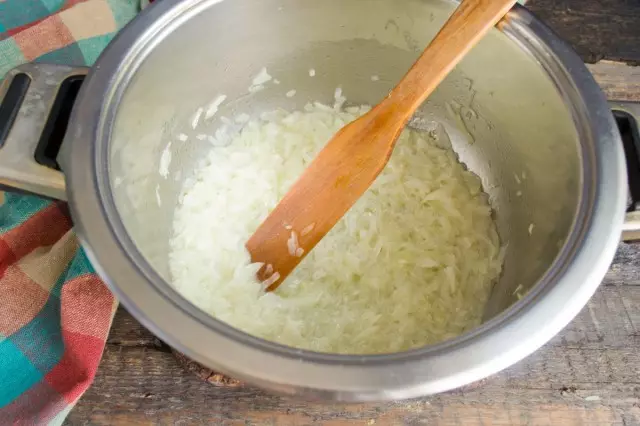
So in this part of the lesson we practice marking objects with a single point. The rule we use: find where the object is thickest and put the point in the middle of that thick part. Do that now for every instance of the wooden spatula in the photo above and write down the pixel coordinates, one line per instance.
(350, 162)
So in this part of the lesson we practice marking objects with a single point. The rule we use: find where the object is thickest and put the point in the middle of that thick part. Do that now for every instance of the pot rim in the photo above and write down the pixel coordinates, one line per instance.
(558, 296)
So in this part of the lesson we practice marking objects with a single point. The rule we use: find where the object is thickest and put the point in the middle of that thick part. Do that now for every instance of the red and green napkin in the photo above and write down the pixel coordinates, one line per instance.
(55, 313)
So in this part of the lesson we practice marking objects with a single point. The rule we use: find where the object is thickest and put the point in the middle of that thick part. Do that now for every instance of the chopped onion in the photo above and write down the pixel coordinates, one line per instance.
(292, 243)
(412, 263)
(196, 118)
(213, 107)
(165, 161)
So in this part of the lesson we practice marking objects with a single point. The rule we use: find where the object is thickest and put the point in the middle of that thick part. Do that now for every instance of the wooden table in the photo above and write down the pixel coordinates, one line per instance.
(597, 29)
(589, 374)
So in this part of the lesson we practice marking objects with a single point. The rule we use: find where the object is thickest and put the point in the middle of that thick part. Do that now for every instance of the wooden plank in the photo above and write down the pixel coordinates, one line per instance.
(618, 81)
(127, 331)
(596, 356)
(597, 29)
(574, 386)
(625, 269)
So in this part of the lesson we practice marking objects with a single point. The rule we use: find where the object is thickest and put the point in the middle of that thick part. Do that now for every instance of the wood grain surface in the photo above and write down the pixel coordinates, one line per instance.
(597, 29)
(587, 375)
(619, 81)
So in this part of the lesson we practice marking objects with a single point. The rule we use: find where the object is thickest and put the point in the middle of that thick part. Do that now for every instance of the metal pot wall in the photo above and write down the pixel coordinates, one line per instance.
(522, 111)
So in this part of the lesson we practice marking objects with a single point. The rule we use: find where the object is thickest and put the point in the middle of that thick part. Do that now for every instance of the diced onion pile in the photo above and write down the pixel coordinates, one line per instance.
(412, 263)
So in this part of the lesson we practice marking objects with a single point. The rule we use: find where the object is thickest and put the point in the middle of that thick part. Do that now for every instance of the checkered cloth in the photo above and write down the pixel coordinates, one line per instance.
(55, 312)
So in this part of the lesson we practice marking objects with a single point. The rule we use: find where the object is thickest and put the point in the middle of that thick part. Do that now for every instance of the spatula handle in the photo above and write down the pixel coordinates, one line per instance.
(466, 26)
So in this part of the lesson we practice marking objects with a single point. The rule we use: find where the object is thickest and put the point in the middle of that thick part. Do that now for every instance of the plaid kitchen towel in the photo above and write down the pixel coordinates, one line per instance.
(55, 312)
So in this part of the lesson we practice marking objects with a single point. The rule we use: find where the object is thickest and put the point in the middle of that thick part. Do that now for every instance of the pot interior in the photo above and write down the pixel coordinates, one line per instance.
(500, 108)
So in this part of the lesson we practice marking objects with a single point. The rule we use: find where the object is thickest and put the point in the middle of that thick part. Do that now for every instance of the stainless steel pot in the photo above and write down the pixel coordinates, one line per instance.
(522, 110)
